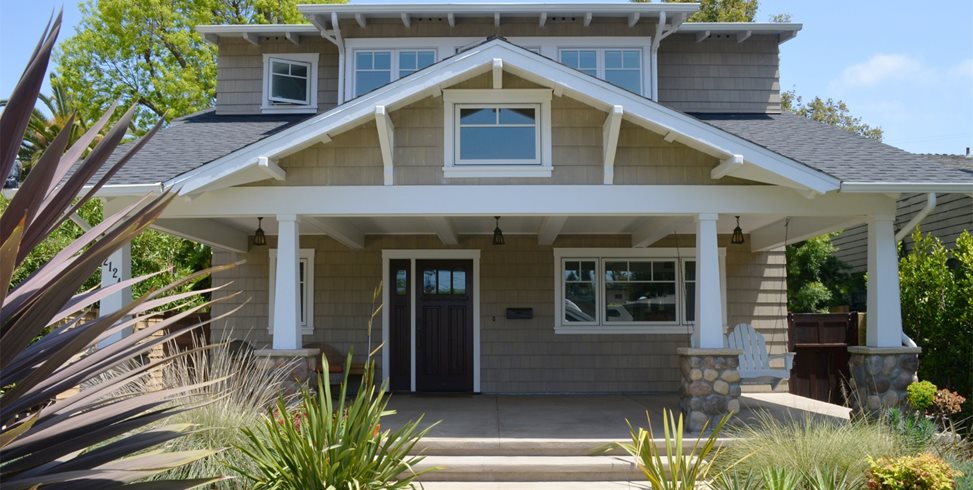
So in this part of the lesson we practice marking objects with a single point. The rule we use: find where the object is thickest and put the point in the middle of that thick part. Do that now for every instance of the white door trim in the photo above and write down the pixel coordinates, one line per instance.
(412, 256)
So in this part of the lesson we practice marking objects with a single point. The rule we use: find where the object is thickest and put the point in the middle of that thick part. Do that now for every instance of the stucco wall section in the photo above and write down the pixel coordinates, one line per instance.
(239, 75)
(518, 356)
(720, 74)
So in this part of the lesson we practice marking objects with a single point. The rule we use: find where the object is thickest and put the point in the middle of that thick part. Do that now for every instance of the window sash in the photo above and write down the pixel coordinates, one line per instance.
(272, 76)
(572, 57)
(600, 283)
(459, 126)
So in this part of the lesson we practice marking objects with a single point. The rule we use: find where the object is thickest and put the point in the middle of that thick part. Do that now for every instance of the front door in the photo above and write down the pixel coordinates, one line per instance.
(444, 325)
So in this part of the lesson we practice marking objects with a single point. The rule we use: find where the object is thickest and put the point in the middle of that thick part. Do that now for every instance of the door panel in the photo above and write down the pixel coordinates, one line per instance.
(400, 325)
(444, 325)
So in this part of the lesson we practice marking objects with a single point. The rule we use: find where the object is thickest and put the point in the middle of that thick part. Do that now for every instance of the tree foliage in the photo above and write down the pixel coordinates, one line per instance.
(722, 10)
(831, 112)
(149, 53)
(936, 287)
(816, 279)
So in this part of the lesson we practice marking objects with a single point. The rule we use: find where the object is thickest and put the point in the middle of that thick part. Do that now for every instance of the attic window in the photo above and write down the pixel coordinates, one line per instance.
(290, 82)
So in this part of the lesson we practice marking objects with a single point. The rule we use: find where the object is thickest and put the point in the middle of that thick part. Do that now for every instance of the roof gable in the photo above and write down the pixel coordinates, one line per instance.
(736, 153)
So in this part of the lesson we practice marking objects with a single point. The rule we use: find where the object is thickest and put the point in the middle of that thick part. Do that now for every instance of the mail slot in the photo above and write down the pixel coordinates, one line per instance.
(520, 313)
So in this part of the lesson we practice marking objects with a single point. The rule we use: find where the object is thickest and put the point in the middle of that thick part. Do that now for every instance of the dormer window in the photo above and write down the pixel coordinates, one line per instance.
(290, 82)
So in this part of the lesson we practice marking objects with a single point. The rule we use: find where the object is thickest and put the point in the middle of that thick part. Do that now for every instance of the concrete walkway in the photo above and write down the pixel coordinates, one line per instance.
(573, 416)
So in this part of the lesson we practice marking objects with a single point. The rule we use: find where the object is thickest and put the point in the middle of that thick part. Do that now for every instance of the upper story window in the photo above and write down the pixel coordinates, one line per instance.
(497, 133)
(290, 82)
(621, 67)
(377, 67)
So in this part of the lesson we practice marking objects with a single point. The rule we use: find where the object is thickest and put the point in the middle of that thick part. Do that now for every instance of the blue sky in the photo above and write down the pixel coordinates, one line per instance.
(900, 65)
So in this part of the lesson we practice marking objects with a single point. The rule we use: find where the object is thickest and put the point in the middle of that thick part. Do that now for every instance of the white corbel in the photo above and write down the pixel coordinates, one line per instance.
(609, 133)
(361, 20)
(496, 19)
(451, 19)
(497, 73)
(743, 36)
(587, 19)
(251, 38)
(633, 18)
(702, 36)
(386, 133)
(726, 167)
(406, 20)
(293, 37)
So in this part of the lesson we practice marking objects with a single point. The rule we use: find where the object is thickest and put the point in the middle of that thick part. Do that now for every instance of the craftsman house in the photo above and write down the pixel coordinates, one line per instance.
(555, 198)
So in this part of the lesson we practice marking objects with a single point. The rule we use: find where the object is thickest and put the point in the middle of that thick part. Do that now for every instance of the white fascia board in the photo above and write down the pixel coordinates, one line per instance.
(907, 187)
(260, 168)
(211, 32)
(538, 69)
(521, 200)
(504, 9)
(786, 31)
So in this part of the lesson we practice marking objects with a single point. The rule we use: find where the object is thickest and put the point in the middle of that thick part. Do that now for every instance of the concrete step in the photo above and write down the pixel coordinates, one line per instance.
(535, 485)
(530, 469)
(491, 446)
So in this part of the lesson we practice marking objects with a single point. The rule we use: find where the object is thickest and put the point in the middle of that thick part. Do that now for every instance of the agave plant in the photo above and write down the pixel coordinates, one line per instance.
(48, 437)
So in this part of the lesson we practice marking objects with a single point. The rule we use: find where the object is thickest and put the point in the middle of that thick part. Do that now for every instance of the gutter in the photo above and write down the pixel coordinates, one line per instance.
(921, 215)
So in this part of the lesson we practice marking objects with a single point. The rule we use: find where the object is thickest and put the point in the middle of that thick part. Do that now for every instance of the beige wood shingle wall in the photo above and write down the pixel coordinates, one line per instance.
(643, 157)
(239, 76)
(518, 356)
(720, 74)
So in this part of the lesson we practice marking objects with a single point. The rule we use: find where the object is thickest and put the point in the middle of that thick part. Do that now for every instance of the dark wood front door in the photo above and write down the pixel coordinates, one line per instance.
(444, 325)
(400, 325)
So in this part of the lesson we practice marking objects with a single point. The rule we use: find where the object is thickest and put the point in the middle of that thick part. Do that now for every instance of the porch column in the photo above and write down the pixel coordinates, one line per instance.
(287, 329)
(882, 368)
(115, 269)
(708, 333)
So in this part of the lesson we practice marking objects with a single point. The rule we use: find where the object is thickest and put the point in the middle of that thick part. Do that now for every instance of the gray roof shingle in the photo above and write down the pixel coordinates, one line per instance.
(195, 140)
(839, 153)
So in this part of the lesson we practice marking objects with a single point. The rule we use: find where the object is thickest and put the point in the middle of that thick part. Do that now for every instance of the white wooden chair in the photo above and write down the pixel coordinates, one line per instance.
(755, 361)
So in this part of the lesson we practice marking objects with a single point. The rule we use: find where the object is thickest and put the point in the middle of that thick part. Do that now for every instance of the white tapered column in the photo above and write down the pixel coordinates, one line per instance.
(287, 329)
(708, 333)
(884, 319)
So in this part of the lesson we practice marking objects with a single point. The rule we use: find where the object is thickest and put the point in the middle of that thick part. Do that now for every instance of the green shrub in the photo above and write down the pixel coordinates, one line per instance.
(805, 445)
(834, 479)
(922, 472)
(780, 479)
(916, 431)
(676, 469)
(333, 443)
(921, 395)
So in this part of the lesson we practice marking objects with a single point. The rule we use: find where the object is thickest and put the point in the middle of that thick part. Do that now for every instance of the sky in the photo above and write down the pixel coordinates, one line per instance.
(899, 65)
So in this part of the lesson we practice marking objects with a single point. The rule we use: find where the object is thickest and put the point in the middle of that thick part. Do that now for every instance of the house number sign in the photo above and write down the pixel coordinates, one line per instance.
(110, 270)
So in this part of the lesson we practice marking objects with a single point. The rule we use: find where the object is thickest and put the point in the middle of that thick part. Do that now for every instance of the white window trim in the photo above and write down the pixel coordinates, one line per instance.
(454, 97)
(267, 107)
(545, 45)
(306, 254)
(536, 160)
(600, 256)
(600, 60)
(351, 81)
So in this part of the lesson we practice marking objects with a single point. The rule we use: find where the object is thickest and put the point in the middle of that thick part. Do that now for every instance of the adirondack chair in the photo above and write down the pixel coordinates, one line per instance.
(755, 361)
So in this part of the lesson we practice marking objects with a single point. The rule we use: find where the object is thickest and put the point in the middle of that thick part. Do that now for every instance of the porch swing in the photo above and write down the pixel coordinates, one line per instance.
(755, 360)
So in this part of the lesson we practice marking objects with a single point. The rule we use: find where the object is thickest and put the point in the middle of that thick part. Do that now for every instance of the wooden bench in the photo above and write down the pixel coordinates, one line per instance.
(755, 361)
(336, 363)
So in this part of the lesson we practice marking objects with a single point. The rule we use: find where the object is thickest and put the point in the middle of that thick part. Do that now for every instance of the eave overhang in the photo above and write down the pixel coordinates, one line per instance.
(253, 32)
(562, 80)
(742, 30)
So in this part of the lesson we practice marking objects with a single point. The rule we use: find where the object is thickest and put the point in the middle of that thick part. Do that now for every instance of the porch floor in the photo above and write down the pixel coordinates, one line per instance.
(552, 417)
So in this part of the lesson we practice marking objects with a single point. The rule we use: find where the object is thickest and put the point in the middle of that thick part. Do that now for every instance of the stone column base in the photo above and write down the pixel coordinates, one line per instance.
(710, 385)
(879, 377)
(300, 362)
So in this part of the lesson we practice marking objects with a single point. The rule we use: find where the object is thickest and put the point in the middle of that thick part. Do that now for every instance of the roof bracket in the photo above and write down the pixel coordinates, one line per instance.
(293, 37)
(587, 19)
(702, 36)
(497, 73)
(633, 18)
(251, 38)
(386, 135)
(361, 20)
(743, 36)
(406, 20)
(542, 20)
(451, 19)
(726, 167)
(609, 134)
(496, 19)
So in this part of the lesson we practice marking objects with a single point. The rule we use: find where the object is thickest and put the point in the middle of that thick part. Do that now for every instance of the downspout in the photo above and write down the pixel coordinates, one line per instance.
(335, 37)
(660, 33)
(921, 215)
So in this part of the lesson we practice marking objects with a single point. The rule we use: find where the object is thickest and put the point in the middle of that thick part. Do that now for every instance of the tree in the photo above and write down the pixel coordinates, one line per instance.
(720, 10)
(816, 279)
(831, 112)
(149, 53)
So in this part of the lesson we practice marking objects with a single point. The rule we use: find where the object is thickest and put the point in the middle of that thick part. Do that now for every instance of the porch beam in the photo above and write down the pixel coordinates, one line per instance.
(884, 319)
(207, 231)
(443, 228)
(497, 73)
(708, 332)
(550, 228)
(798, 229)
(386, 140)
(523, 200)
(726, 167)
(609, 138)
(656, 228)
(340, 232)
(286, 327)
